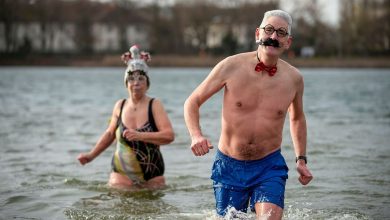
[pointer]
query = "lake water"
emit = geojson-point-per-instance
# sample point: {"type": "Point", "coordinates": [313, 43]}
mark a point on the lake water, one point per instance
{"type": "Point", "coordinates": [48, 115]}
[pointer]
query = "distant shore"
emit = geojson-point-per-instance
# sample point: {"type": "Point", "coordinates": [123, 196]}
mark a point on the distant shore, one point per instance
{"type": "Point", "coordinates": [189, 61]}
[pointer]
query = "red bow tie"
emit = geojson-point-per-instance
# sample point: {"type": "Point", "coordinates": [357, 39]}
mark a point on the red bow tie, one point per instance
{"type": "Point", "coordinates": [271, 70]}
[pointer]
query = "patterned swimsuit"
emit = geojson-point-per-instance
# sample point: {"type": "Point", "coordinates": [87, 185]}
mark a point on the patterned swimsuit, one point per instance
{"type": "Point", "coordinates": [138, 160]}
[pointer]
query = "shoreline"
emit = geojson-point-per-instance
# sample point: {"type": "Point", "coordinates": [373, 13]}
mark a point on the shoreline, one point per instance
{"type": "Point", "coordinates": [189, 61]}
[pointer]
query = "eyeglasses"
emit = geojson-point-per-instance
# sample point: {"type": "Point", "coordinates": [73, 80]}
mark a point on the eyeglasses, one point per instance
{"type": "Point", "coordinates": [139, 78]}
{"type": "Point", "coordinates": [269, 30]}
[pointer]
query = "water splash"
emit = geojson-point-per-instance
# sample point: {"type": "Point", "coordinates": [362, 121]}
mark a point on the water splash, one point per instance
{"type": "Point", "coordinates": [234, 214]}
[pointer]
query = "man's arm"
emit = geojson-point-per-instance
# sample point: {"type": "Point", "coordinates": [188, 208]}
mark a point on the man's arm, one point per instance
{"type": "Point", "coordinates": [298, 132]}
{"type": "Point", "coordinates": [298, 128]}
{"type": "Point", "coordinates": [212, 84]}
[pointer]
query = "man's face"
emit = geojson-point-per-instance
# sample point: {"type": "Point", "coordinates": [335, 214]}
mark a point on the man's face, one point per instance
{"type": "Point", "coordinates": [274, 28]}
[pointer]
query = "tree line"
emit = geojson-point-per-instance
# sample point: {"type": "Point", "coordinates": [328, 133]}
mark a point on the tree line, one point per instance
{"type": "Point", "coordinates": [363, 28]}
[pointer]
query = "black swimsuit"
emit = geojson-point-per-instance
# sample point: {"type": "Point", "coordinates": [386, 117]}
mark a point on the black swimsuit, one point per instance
{"type": "Point", "coordinates": [140, 161]}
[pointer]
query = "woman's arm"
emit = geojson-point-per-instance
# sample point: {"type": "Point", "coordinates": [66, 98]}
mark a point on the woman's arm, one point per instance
{"type": "Point", "coordinates": [105, 139]}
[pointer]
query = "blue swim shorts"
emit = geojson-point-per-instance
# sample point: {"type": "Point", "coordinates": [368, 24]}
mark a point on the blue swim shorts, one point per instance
{"type": "Point", "coordinates": [238, 182]}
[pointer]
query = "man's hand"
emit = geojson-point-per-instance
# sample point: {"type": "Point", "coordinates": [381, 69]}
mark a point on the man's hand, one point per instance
{"type": "Point", "coordinates": [200, 146]}
{"type": "Point", "coordinates": [304, 174]}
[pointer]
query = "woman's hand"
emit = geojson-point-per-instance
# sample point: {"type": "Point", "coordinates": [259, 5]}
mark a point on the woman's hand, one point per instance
{"type": "Point", "coordinates": [85, 158]}
{"type": "Point", "coordinates": [131, 135]}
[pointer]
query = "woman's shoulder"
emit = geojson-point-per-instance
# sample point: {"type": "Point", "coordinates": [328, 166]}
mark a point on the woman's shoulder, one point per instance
{"type": "Point", "coordinates": [119, 102]}
{"type": "Point", "coordinates": [155, 101]}
{"type": "Point", "coordinates": [157, 105]}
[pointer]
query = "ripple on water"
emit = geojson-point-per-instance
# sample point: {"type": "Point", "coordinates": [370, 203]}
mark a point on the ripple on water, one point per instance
{"type": "Point", "coordinates": [97, 186]}
{"type": "Point", "coordinates": [117, 204]}
{"type": "Point", "coordinates": [294, 213]}
{"type": "Point", "coordinates": [17, 199]}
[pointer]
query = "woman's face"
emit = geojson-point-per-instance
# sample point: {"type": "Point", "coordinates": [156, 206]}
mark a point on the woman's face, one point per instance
{"type": "Point", "coordinates": [137, 82]}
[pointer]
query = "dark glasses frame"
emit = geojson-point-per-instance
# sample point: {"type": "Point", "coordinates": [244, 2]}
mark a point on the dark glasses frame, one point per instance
{"type": "Point", "coordinates": [269, 30]}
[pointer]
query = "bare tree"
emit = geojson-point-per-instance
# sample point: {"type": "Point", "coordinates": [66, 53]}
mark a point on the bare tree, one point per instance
{"type": "Point", "coordinates": [199, 16]}
{"type": "Point", "coordinates": [365, 27]}
{"type": "Point", "coordinates": [8, 17]}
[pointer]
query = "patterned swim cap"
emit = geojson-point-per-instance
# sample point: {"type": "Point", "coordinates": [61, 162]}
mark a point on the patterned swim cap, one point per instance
{"type": "Point", "coordinates": [135, 61]}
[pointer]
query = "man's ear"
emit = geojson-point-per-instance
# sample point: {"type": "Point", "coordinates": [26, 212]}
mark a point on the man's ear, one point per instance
{"type": "Point", "coordinates": [288, 43]}
{"type": "Point", "coordinates": [257, 35]}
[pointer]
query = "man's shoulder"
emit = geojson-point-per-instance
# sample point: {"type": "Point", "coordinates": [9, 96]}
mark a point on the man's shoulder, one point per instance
{"type": "Point", "coordinates": [242, 56]}
{"type": "Point", "coordinates": [238, 56]}
{"type": "Point", "coordinates": [291, 72]}
{"type": "Point", "coordinates": [236, 60]}
{"type": "Point", "coordinates": [289, 68]}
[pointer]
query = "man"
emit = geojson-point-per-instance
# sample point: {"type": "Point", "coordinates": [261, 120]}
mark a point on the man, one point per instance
{"type": "Point", "coordinates": [259, 90]}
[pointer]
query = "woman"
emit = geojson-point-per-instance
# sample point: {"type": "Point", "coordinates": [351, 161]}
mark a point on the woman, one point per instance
{"type": "Point", "coordinates": [140, 125]}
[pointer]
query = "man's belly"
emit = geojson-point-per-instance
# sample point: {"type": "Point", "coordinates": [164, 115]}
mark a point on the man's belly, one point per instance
{"type": "Point", "coordinates": [249, 145]}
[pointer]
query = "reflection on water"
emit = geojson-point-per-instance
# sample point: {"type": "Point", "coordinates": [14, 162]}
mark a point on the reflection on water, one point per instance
{"type": "Point", "coordinates": [49, 115]}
